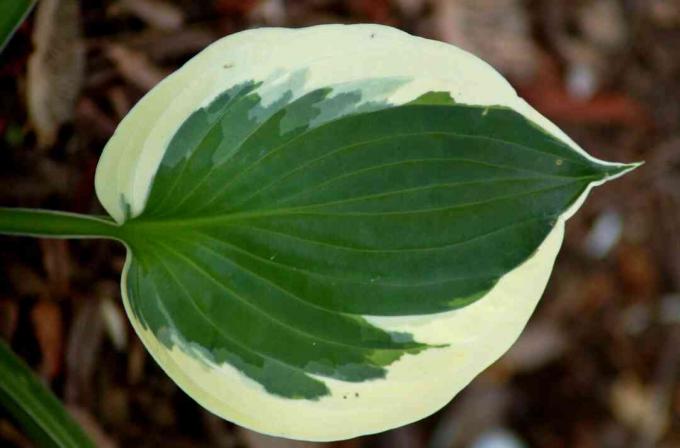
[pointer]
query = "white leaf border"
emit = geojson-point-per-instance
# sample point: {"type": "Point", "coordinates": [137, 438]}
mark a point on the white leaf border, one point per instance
{"type": "Point", "coordinates": [415, 386]}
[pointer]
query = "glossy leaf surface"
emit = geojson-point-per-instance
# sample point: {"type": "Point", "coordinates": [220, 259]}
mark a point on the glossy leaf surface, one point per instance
{"type": "Point", "coordinates": [319, 231]}
{"type": "Point", "coordinates": [266, 249]}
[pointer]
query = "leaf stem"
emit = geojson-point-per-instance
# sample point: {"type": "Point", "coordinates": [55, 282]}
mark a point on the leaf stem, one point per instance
{"type": "Point", "coordinates": [53, 224]}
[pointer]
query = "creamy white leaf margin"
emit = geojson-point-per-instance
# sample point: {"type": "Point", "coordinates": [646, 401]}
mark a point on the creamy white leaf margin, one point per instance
{"type": "Point", "coordinates": [415, 386]}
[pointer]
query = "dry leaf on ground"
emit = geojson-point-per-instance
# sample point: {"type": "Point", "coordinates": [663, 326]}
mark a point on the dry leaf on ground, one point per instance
{"type": "Point", "coordinates": [57, 263]}
{"type": "Point", "coordinates": [157, 13]}
{"type": "Point", "coordinates": [135, 67]}
{"type": "Point", "coordinates": [55, 69]}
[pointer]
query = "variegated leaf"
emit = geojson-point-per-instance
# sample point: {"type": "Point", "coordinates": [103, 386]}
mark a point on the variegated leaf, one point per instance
{"type": "Point", "coordinates": [332, 230]}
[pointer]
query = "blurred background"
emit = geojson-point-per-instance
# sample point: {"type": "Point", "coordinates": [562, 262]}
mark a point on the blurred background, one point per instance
{"type": "Point", "coordinates": [599, 363]}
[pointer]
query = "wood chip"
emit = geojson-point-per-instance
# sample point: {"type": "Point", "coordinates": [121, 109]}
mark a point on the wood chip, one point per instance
{"type": "Point", "coordinates": [540, 343]}
{"type": "Point", "coordinates": [58, 266]}
{"type": "Point", "coordinates": [161, 46]}
{"type": "Point", "coordinates": [157, 13]}
{"type": "Point", "coordinates": [115, 324]}
{"type": "Point", "coordinates": [633, 404]}
{"type": "Point", "coordinates": [82, 351]}
{"type": "Point", "coordinates": [9, 318]}
{"type": "Point", "coordinates": [135, 67]}
{"type": "Point", "coordinates": [91, 427]}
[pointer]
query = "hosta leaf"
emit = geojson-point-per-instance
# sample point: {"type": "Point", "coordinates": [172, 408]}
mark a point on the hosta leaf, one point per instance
{"type": "Point", "coordinates": [325, 241]}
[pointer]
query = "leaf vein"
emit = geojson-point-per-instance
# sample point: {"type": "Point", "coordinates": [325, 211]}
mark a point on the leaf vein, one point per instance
{"type": "Point", "coordinates": [304, 334]}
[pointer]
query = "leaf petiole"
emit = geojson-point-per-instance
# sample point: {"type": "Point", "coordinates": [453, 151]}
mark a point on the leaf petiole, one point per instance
{"type": "Point", "coordinates": [53, 224]}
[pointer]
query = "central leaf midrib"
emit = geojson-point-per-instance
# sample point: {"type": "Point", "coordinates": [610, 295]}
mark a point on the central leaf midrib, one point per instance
{"type": "Point", "coordinates": [155, 224]}
{"type": "Point", "coordinates": [359, 279]}
{"type": "Point", "coordinates": [522, 146]}
{"type": "Point", "coordinates": [276, 149]}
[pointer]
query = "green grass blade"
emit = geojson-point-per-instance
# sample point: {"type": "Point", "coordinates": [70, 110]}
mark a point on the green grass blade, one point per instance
{"type": "Point", "coordinates": [34, 407]}
{"type": "Point", "coordinates": [12, 13]}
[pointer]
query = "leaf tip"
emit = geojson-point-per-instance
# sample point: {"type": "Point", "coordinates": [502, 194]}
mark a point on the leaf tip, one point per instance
{"type": "Point", "coordinates": [613, 171]}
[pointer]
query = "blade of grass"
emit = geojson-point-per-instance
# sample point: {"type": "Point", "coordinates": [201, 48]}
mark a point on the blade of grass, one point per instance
{"type": "Point", "coordinates": [34, 407]}
{"type": "Point", "coordinates": [12, 13]}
